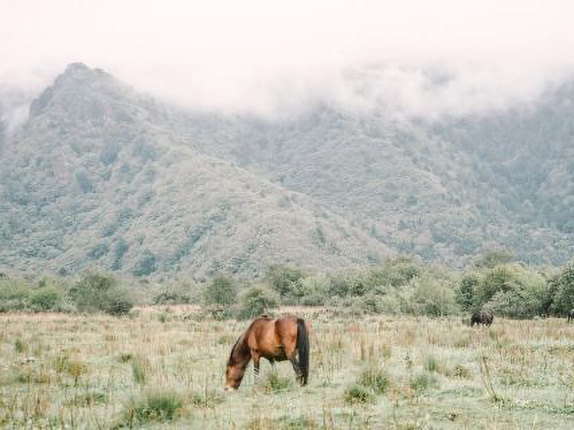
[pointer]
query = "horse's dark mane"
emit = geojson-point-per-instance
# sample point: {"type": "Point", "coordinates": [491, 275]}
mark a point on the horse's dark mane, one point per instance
{"type": "Point", "coordinates": [230, 361]}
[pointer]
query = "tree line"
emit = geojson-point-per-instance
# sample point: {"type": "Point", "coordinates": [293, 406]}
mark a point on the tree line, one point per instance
{"type": "Point", "coordinates": [401, 285]}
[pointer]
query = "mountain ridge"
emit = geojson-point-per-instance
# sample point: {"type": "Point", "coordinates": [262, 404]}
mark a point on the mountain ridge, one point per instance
{"type": "Point", "coordinates": [97, 178]}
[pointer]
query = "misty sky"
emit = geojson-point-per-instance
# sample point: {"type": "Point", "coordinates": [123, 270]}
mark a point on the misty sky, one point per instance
{"type": "Point", "coordinates": [266, 56]}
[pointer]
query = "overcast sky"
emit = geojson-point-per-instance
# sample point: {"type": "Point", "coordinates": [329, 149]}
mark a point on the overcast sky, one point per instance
{"type": "Point", "coordinates": [269, 55]}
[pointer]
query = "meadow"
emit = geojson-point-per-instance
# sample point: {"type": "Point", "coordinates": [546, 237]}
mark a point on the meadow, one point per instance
{"type": "Point", "coordinates": [163, 367]}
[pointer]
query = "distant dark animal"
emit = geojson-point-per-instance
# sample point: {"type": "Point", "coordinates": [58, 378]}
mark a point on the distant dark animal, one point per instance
{"type": "Point", "coordinates": [483, 316]}
{"type": "Point", "coordinates": [276, 339]}
{"type": "Point", "coordinates": [571, 315]}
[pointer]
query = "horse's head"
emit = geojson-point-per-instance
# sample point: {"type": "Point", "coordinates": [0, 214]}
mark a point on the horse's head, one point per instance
{"type": "Point", "coordinates": [233, 376]}
{"type": "Point", "coordinates": [236, 365]}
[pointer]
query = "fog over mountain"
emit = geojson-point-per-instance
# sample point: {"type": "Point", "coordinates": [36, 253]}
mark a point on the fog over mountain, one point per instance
{"type": "Point", "coordinates": [417, 58]}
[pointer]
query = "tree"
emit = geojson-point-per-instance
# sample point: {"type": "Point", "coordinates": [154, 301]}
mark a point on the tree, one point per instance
{"type": "Point", "coordinates": [45, 298]}
{"type": "Point", "coordinates": [563, 288]}
{"type": "Point", "coordinates": [222, 291]}
{"type": "Point", "coordinates": [100, 293]}
{"type": "Point", "coordinates": [465, 293]}
{"type": "Point", "coordinates": [257, 301]}
{"type": "Point", "coordinates": [146, 265]}
{"type": "Point", "coordinates": [285, 280]}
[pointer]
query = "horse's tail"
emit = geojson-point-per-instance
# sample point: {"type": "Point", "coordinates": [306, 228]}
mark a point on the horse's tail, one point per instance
{"type": "Point", "coordinates": [303, 348]}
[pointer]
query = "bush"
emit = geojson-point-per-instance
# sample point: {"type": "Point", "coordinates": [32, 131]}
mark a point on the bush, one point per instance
{"type": "Point", "coordinates": [399, 271]}
{"type": "Point", "coordinates": [146, 265]}
{"type": "Point", "coordinates": [14, 295]}
{"type": "Point", "coordinates": [169, 296]}
{"type": "Point", "coordinates": [285, 280]}
{"type": "Point", "coordinates": [222, 291]}
{"type": "Point", "coordinates": [464, 295]}
{"type": "Point", "coordinates": [273, 382]}
{"type": "Point", "coordinates": [358, 394]}
{"type": "Point", "coordinates": [100, 293]}
{"type": "Point", "coordinates": [433, 297]}
{"type": "Point", "coordinates": [315, 290]}
{"type": "Point", "coordinates": [423, 382]}
{"type": "Point", "coordinates": [256, 301]}
{"type": "Point", "coordinates": [207, 399]}
{"type": "Point", "coordinates": [375, 379]}
{"type": "Point", "coordinates": [155, 406]}
{"type": "Point", "coordinates": [46, 298]}
{"type": "Point", "coordinates": [562, 291]}
{"type": "Point", "coordinates": [510, 290]}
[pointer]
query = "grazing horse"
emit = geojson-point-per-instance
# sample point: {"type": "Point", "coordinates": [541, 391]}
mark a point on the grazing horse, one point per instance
{"type": "Point", "coordinates": [276, 339]}
{"type": "Point", "coordinates": [483, 316]}
{"type": "Point", "coordinates": [571, 315]}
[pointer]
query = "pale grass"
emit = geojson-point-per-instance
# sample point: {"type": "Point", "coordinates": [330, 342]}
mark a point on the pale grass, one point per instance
{"type": "Point", "coordinates": [77, 372]}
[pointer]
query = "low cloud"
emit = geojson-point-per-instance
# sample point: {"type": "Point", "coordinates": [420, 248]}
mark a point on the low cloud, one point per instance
{"type": "Point", "coordinates": [414, 58]}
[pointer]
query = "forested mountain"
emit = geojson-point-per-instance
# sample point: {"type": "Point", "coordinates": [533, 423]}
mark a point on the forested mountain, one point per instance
{"type": "Point", "coordinates": [102, 176]}
{"type": "Point", "coordinates": [445, 190]}
{"type": "Point", "coordinates": [98, 178]}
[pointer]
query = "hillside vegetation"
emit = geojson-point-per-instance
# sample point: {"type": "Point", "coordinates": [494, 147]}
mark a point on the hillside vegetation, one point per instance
{"type": "Point", "coordinates": [97, 178]}
{"type": "Point", "coordinates": [446, 190]}
{"type": "Point", "coordinates": [103, 177]}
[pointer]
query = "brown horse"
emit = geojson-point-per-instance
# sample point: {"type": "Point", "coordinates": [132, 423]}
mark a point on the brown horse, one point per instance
{"type": "Point", "coordinates": [276, 339]}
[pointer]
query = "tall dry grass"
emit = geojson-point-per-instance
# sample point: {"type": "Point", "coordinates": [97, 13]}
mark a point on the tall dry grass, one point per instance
{"type": "Point", "coordinates": [98, 372]}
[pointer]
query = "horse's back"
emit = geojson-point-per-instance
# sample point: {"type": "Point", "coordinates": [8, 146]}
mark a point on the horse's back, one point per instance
{"type": "Point", "coordinates": [274, 338]}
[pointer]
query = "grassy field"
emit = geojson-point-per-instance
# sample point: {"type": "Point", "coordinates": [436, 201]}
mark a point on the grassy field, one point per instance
{"type": "Point", "coordinates": [164, 368]}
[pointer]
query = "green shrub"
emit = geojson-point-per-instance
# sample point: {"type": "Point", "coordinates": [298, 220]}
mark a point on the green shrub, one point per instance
{"type": "Point", "coordinates": [100, 293]}
{"type": "Point", "coordinates": [431, 364]}
{"type": "Point", "coordinates": [358, 394]}
{"type": "Point", "coordinates": [146, 264]}
{"type": "Point", "coordinates": [315, 290]}
{"type": "Point", "coordinates": [510, 290]}
{"type": "Point", "coordinates": [171, 296]}
{"type": "Point", "coordinates": [464, 295]}
{"type": "Point", "coordinates": [273, 382]}
{"type": "Point", "coordinates": [375, 379]}
{"type": "Point", "coordinates": [140, 367]}
{"type": "Point", "coordinates": [286, 281]}
{"type": "Point", "coordinates": [207, 399]}
{"type": "Point", "coordinates": [20, 346]}
{"type": "Point", "coordinates": [46, 298]}
{"type": "Point", "coordinates": [14, 295]}
{"type": "Point", "coordinates": [256, 301]}
{"type": "Point", "coordinates": [433, 296]}
{"type": "Point", "coordinates": [423, 382]}
{"type": "Point", "coordinates": [562, 291]}
{"type": "Point", "coordinates": [221, 291]}
{"type": "Point", "coordinates": [154, 406]}
{"type": "Point", "coordinates": [399, 271]}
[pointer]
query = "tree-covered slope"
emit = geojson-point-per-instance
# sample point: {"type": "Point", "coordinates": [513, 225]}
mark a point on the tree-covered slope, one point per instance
{"type": "Point", "coordinates": [100, 176]}
{"type": "Point", "coordinates": [103, 176]}
{"type": "Point", "coordinates": [445, 190]}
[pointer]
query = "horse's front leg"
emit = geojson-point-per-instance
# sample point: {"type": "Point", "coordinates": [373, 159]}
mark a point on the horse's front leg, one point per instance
{"type": "Point", "coordinates": [255, 358]}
